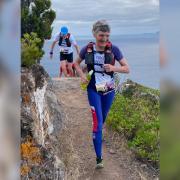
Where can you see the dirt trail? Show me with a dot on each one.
(76, 107)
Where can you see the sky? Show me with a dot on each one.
(124, 16)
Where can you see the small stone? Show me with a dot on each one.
(111, 151)
(143, 165)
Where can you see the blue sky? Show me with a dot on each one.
(124, 16)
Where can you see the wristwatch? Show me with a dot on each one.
(51, 53)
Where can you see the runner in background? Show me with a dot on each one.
(66, 42)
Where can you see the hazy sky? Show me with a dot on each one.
(124, 16)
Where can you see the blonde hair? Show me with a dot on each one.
(101, 25)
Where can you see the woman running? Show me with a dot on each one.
(100, 57)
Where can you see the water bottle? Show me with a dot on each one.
(84, 85)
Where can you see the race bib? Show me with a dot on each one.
(104, 82)
(64, 50)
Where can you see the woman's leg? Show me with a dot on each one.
(63, 66)
(107, 101)
(69, 64)
(70, 70)
(96, 109)
(63, 63)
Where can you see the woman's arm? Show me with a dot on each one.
(79, 70)
(124, 68)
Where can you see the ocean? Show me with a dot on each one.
(141, 52)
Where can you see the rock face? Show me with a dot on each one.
(41, 121)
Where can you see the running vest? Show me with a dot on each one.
(108, 56)
(68, 43)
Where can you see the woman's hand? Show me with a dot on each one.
(108, 67)
(84, 79)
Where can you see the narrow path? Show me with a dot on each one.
(76, 107)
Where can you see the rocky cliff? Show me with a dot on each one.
(42, 126)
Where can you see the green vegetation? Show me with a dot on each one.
(36, 17)
(30, 51)
(135, 113)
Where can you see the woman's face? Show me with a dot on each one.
(102, 38)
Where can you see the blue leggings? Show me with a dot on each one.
(100, 106)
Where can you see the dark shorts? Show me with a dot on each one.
(68, 57)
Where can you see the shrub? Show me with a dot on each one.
(137, 117)
(30, 51)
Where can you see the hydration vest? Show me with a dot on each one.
(66, 39)
(89, 58)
